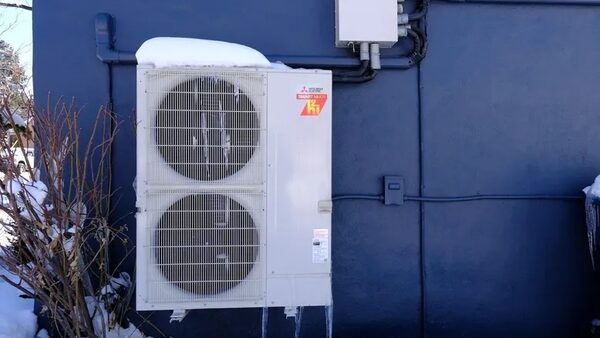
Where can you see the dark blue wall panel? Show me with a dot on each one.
(508, 106)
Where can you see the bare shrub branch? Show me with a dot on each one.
(14, 5)
(60, 231)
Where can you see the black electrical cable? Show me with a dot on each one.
(420, 44)
(416, 16)
(417, 44)
(359, 75)
(421, 12)
(357, 197)
(368, 76)
(365, 74)
(361, 70)
(453, 199)
(581, 3)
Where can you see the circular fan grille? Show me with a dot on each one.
(206, 128)
(206, 244)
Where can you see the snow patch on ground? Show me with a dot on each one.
(165, 52)
(16, 314)
(117, 332)
(17, 319)
(43, 334)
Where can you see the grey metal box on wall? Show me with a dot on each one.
(233, 188)
(366, 21)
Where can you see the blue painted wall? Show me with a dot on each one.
(509, 105)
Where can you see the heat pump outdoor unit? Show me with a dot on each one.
(233, 187)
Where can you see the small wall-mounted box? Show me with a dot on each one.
(373, 21)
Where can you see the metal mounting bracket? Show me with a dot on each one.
(178, 315)
(290, 311)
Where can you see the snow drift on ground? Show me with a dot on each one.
(16, 314)
(17, 319)
(117, 332)
(184, 52)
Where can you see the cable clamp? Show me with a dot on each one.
(325, 206)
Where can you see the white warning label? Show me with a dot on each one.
(320, 246)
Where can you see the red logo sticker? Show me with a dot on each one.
(315, 101)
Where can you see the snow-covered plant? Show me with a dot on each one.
(57, 234)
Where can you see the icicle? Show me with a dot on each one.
(265, 320)
(225, 139)
(592, 209)
(226, 260)
(592, 215)
(227, 211)
(222, 204)
(203, 126)
(298, 321)
(196, 94)
(236, 92)
(329, 321)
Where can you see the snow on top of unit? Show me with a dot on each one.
(279, 65)
(594, 189)
(185, 52)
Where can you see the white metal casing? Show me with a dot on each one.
(281, 187)
(366, 21)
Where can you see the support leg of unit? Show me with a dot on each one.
(178, 315)
(290, 311)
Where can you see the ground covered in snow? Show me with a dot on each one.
(17, 319)
(16, 314)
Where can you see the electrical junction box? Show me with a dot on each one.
(373, 21)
